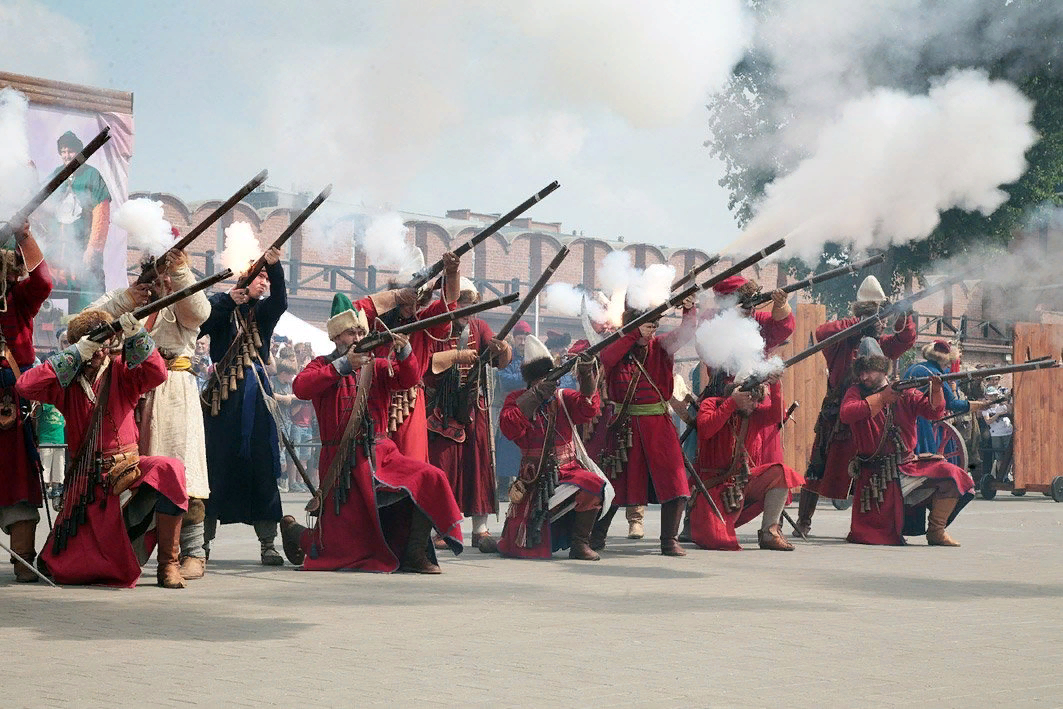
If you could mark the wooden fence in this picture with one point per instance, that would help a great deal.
(1038, 408)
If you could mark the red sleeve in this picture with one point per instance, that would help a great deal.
(579, 407)
(612, 354)
(713, 414)
(486, 334)
(895, 345)
(142, 378)
(318, 377)
(834, 326)
(438, 307)
(854, 408)
(511, 420)
(406, 373)
(40, 384)
(775, 332)
(33, 291)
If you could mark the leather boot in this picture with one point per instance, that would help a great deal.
(806, 507)
(23, 535)
(635, 517)
(582, 524)
(484, 542)
(671, 511)
(168, 528)
(416, 559)
(601, 529)
(684, 534)
(773, 539)
(940, 509)
(291, 535)
(267, 534)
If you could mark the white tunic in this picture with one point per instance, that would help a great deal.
(172, 420)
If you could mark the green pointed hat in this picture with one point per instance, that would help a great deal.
(341, 303)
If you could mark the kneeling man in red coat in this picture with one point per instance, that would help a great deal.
(555, 499)
(889, 477)
(376, 507)
(742, 475)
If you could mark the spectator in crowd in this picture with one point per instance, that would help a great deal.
(998, 417)
(201, 364)
(507, 454)
(286, 400)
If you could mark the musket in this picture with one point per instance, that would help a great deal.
(744, 264)
(150, 268)
(103, 332)
(696, 271)
(528, 299)
(430, 272)
(762, 298)
(901, 306)
(377, 339)
(973, 374)
(991, 402)
(245, 280)
(22, 216)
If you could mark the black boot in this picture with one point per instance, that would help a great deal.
(806, 507)
(582, 524)
(671, 511)
(291, 535)
(601, 529)
(416, 559)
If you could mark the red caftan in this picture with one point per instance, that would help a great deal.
(464, 451)
(530, 436)
(365, 536)
(654, 471)
(774, 332)
(884, 523)
(834, 482)
(100, 552)
(19, 481)
(411, 436)
(718, 424)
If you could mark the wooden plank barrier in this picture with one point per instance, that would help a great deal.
(805, 382)
(1038, 408)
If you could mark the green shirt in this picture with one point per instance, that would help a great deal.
(50, 425)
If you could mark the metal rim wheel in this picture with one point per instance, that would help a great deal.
(1018, 493)
(842, 504)
(951, 443)
(1057, 488)
(985, 486)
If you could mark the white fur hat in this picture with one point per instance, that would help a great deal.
(341, 322)
(534, 349)
(871, 291)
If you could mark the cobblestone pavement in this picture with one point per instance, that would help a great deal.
(831, 624)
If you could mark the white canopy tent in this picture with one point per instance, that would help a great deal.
(298, 330)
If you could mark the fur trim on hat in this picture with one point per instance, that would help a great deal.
(85, 322)
(344, 321)
(874, 363)
(932, 351)
(536, 369)
(865, 309)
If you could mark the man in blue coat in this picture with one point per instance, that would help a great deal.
(939, 358)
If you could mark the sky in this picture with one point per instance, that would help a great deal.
(417, 106)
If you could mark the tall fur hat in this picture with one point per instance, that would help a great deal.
(941, 351)
(344, 317)
(537, 359)
(869, 297)
(85, 322)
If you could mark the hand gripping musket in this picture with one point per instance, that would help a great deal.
(430, 272)
(14, 224)
(696, 271)
(150, 268)
(104, 332)
(246, 279)
(1031, 366)
(762, 298)
(378, 339)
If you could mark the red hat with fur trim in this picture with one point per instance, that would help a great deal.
(729, 286)
(578, 346)
(522, 328)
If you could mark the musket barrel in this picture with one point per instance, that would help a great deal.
(532, 293)
(696, 271)
(427, 274)
(973, 374)
(377, 339)
(101, 333)
(820, 278)
(744, 264)
(285, 235)
(21, 216)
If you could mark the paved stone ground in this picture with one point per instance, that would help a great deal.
(830, 624)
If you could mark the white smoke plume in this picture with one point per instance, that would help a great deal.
(884, 170)
(17, 176)
(386, 246)
(566, 299)
(241, 247)
(732, 343)
(143, 221)
(642, 288)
